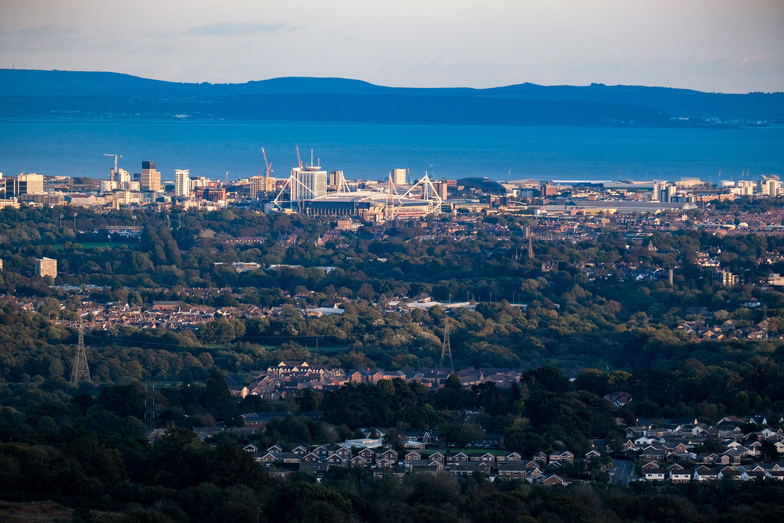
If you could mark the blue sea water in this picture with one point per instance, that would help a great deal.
(362, 151)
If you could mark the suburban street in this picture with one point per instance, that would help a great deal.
(621, 472)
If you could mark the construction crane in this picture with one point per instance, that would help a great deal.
(299, 160)
(111, 178)
(269, 170)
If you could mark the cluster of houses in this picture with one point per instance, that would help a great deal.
(293, 376)
(667, 451)
(729, 329)
(499, 464)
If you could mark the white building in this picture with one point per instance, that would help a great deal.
(744, 188)
(201, 181)
(771, 187)
(123, 179)
(664, 192)
(308, 183)
(182, 182)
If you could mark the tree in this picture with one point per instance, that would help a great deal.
(394, 439)
(769, 451)
(217, 398)
(179, 460)
(309, 400)
(231, 465)
(462, 434)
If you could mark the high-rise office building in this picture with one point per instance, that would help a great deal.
(182, 182)
(256, 186)
(308, 183)
(46, 267)
(151, 179)
(398, 176)
(24, 184)
(34, 183)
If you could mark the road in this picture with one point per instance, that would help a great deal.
(621, 472)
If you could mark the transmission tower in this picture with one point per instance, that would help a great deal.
(149, 403)
(446, 349)
(80, 371)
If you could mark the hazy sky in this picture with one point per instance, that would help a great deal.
(710, 45)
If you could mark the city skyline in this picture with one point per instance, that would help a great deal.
(730, 46)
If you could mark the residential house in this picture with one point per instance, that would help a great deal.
(426, 466)
(438, 456)
(678, 474)
(703, 473)
(359, 461)
(412, 456)
(467, 468)
(388, 455)
(654, 474)
(367, 454)
(653, 453)
(458, 457)
(549, 480)
(592, 454)
(512, 470)
(619, 399)
(485, 456)
(311, 457)
(508, 456)
(335, 459)
(563, 456)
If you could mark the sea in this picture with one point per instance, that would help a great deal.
(221, 149)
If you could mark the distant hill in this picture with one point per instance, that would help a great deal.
(69, 94)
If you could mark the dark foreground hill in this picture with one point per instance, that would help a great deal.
(68, 94)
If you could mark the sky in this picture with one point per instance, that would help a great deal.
(731, 46)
